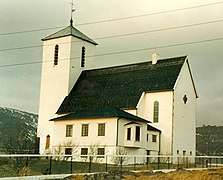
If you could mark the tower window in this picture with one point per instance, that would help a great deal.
(83, 56)
(56, 52)
(156, 112)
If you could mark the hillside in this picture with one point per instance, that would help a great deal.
(209, 140)
(16, 128)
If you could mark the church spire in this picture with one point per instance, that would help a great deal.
(71, 12)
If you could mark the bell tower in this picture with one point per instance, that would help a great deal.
(66, 54)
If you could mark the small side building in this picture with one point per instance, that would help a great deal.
(105, 131)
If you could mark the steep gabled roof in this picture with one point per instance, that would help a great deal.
(103, 112)
(121, 86)
(70, 31)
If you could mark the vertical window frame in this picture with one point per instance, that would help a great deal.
(83, 51)
(137, 133)
(101, 129)
(84, 130)
(154, 138)
(129, 133)
(101, 152)
(156, 112)
(84, 152)
(56, 54)
(68, 151)
(69, 130)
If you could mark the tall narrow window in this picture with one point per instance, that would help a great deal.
(101, 129)
(84, 131)
(83, 56)
(137, 137)
(129, 134)
(156, 112)
(47, 142)
(56, 52)
(69, 130)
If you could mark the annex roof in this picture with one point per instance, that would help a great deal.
(102, 112)
(121, 86)
(70, 31)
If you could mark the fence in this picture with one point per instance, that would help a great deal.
(23, 165)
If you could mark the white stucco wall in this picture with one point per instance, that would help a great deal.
(58, 80)
(184, 114)
(85, 141)
(145, 110)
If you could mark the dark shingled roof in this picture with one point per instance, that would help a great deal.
(121, 86)
(100, 113)
(70, 31)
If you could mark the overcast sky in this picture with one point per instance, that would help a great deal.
(179, 27)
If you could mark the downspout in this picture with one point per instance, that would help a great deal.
(159, 143)
(172, 126)
(117, 132)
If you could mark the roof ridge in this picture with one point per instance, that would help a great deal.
(67, 31)
(139, 63)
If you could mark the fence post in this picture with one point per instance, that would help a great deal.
(106, 163)
(158, 163)
(168, 162)
(71, 164)
(147, 163)
(27, 161)
(206, 161)
(50, 170)
(194, 162)
(121, 163)
(134, 163)
(90, 158)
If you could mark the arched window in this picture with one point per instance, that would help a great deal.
(156, 112)
(56, 52)
(83, 56)
(47, 142)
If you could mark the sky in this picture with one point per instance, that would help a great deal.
(144, 27)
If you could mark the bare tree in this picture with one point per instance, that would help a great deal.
(93, 153)
(65, 148)
(118, 157)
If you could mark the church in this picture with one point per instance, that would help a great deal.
(144, 108)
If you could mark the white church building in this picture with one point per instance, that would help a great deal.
(143, 109)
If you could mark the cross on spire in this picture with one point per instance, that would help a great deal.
(71, 12)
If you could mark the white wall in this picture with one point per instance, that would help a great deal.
(58, 80)
(54, 84)
(145, 110)
(85, 141)
(184, 114)
(75, 63)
